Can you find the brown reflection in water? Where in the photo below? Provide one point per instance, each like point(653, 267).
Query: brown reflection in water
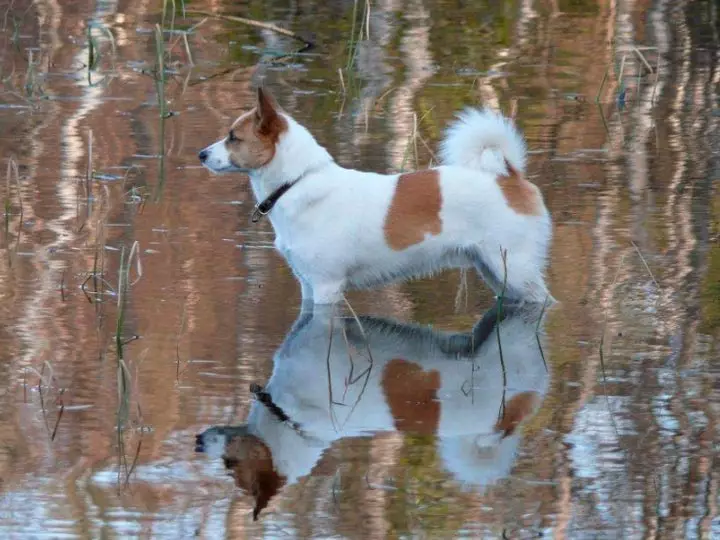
point(214, 302)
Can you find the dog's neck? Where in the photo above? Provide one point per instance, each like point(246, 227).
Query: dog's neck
point(296, 154)
point(294, 453)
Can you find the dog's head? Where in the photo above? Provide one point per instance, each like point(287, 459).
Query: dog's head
point(251, 141)
point(248, 459)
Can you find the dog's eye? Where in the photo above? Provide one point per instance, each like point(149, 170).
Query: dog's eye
point(232, 137)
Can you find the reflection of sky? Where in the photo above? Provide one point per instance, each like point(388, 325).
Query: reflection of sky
point(600, 465)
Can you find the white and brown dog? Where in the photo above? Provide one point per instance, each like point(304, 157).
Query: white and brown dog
point(341, 228)
point(400, 377)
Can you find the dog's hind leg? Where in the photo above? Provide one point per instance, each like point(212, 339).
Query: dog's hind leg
point(512, 277)
point(487, 273)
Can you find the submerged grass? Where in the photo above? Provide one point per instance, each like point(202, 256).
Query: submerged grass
point(32, 87)
point(162, 103)
point(124, 379)
point(93, 56)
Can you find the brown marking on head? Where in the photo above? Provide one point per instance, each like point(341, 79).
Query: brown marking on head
point(411, 394)
point(415, 209)
point(516, 410)
point(522, 196)
point(251, 464)
point(254, 136)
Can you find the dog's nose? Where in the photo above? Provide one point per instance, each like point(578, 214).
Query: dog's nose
point(203, 155)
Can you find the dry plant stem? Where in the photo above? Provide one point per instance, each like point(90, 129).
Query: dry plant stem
point(19, 190)
point(350, 378)
point(367, 20)
point(62, 285)
point(342, 81)
point(177, 343)
point(42, 398)
point(371, 361)
point(501, 299)
point(135, 460)
point(12, 174)
point(256, 24)
point(415, 138)
point(646, 265)
point(602, 355)
point(89, 174)
point(351, 44)
point(462, 290)
point(644, 60)
point(57, 422)
point(329, 370)
point(655, 82)
point(602, 84)
point(537, 332)
point(162, 104)
point(187, 50)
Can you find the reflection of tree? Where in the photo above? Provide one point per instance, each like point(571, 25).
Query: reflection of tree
point(414, 46)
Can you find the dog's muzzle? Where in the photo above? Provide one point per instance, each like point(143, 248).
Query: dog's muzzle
point(199, 443)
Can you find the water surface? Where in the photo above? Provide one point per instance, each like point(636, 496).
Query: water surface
point(618, 101)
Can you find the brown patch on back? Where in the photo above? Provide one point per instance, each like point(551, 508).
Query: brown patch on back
point(251, 465)
point(415, 209)
point(516, 410)
point(256, 134)
point(411, 394)
point(521, 195)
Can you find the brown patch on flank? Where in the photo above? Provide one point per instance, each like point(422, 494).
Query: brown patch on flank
point(411, 394)
point(522, 196)
point(516, 410)
point(255, 134)
point(251, 465)
point(415, 209)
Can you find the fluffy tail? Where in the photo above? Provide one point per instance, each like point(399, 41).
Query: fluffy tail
point(483, 139)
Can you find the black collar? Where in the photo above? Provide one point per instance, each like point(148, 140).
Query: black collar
point(263, 208)
point(266, 399)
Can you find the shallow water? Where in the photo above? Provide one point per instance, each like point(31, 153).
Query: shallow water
point(618, 101)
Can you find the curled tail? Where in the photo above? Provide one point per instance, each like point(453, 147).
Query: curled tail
point(485, 140)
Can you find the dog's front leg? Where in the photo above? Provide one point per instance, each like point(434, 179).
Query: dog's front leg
point(306, 291)
point(328, 292)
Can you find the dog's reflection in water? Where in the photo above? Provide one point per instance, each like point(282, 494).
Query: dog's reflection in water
point(335, 378)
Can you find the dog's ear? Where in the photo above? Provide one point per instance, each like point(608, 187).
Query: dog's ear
point(266, 486)
point(250, 462)
point(267, 119)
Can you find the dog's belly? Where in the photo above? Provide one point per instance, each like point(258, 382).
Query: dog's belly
point(418, 261)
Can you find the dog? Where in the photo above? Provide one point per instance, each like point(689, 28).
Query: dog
point(335, 378)
point(341, 229)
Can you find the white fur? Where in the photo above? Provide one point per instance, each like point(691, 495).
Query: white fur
point(219, 159)
point(329, 226)
point(483, 140)
point(469, 399)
